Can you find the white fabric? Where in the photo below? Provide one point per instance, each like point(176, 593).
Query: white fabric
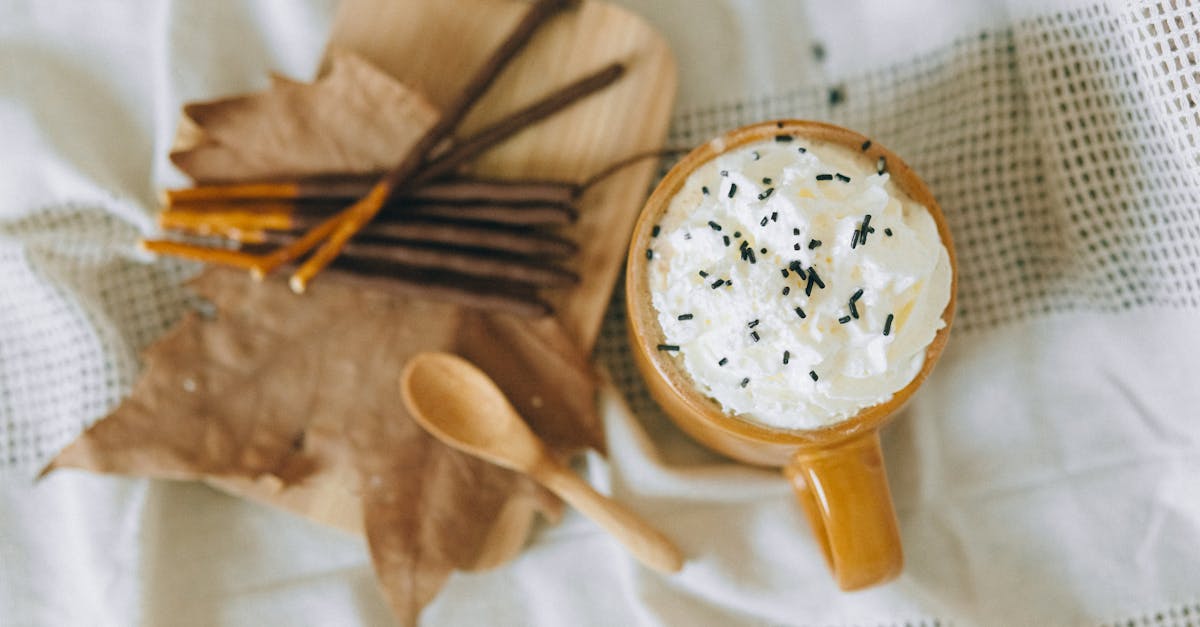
point(1048, 473)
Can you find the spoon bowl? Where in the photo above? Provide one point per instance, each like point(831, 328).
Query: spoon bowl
point(460, 405)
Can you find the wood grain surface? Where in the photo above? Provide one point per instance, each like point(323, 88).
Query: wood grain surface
point(434, 46)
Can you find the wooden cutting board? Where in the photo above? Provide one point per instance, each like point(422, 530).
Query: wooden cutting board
point(434, 46)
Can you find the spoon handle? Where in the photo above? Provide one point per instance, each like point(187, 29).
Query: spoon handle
point(646, 543)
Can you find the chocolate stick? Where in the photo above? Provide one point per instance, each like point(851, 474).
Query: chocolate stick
point(483, 191)
point(486, 237)
point(350, 221)
point(518, 299)
point(474, 263)
point(511, 124)
point(282, 216)
point(396, 263)
point(347, 189)
point(544, 215)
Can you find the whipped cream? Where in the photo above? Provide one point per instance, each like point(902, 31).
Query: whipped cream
point(731, 277)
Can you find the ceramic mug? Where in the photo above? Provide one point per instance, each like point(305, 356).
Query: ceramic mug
point(837, 471)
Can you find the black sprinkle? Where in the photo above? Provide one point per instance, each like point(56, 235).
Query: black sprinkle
point(784, 138)
point(836, 96)
point(668, 347)
point(724, 360)
point(724, 172)
point(842, 177)
point(786, 356)
point(779, 125)
point(783, 271)
point(866, 144)
point(856, 295)
point(786, 290)
point(703, 274)
point(726, 239)
point(737, 233)
point(714, 225)
point(743, 246)
point(732, 189)
point(655, 231)
point(754, 156)
point(887, 232)
point(854, 238)
point(718, 283)
point(887, 325)
point(853, 310)
point(774, 216)
point(881, 165)
point(687, 235)
point(813, 374)
point(762, 251)
point(808, 286)
point(795, 231)
point(824, 177)
point(865, 229)
point(844, 319)
point(802, 149)
point(745, 381)
point(767, 193)
point(766, 180)
point(800, 312)
point(704, 190)
point(649, 254)
point(729, 283)
point(763, 222)
point(812, 274)
point(813, 243)
point(754, 334)
point(753, 323)
point(796, 246)
point(685, 317)
point(818, 51)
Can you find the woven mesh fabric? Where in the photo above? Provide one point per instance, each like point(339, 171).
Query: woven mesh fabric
point(76, 306)
point(1062, 151)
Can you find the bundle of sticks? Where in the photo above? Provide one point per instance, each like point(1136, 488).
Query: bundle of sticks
point(417, 227)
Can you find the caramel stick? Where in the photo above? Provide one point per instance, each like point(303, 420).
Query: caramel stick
point(204, 218)
point(241, 236)
point(517, 241)
point(348, 189)
point(205, 254)
point(514, 298)
point(364, 210)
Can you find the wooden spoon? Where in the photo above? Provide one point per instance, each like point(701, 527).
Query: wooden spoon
point(460, 405)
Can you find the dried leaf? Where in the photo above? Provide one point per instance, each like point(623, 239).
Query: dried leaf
point(354, 119)
point(294, 387)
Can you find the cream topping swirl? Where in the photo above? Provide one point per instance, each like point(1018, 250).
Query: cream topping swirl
point(773, 299)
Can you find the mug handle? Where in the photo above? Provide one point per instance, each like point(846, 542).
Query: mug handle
point(844, 491)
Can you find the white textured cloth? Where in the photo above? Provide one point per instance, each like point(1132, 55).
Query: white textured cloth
point(1048, 472)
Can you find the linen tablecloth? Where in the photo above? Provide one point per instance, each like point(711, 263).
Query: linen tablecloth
point(1048, 472)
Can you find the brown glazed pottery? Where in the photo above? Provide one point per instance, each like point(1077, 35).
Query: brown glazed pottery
point(837, 471)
